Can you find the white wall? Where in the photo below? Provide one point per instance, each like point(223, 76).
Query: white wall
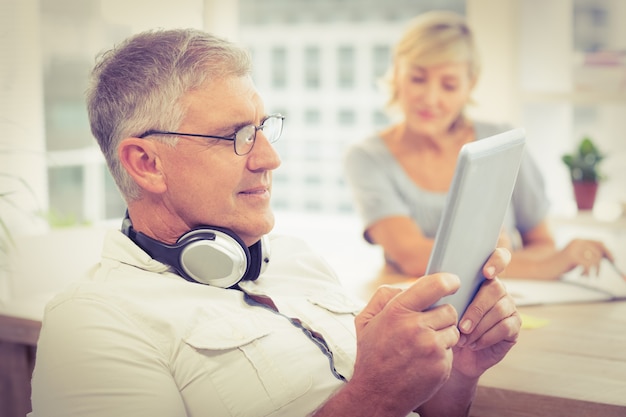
point(496, 27)
point(531, 79)
point(22, 142)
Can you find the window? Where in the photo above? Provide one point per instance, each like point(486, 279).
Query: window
point(381, 60)
point(312, 117)
point(307, 61)
point(346, 67)
point(81, 189)
point(379, 118)
point(333, 56)
point(66, 202)
point(279, 67)
point(346, 117)
point(312, 76)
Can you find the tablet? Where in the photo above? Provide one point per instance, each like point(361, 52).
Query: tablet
point(474, 212)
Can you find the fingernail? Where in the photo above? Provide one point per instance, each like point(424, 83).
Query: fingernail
point(491, 270)
point(466, 325)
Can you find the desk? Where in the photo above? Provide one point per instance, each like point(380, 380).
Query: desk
point(18, 340)
point(573, 366)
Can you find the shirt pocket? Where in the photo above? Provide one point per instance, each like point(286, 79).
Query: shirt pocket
point(336, 302)
point(245, 366)
point(337, 312)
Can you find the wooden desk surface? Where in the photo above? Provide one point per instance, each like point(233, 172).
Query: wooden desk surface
point(575, 365)
point(19, 330)
point(18, 340)
point(572, 366)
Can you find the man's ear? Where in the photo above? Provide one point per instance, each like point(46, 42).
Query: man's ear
point(140, 158)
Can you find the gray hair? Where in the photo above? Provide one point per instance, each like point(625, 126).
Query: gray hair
point(137, 86)
point(433, 38)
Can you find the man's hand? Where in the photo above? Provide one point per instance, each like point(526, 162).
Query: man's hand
point(404, 351)
point(491, 324)
point(489, 329)
point(412, 358)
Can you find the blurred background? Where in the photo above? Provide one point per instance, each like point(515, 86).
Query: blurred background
point(556, 68)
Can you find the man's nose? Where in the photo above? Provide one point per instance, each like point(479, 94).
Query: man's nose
point(263, 155)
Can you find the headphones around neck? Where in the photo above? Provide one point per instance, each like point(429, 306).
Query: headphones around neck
point(206, 254)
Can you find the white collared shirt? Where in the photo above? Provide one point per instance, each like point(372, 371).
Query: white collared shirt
point(135, 339)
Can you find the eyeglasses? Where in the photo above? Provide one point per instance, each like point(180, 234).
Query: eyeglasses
point(243, 139)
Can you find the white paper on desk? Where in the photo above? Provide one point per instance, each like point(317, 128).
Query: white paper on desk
point(573, 287)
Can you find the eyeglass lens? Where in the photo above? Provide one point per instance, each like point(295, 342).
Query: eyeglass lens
point(245, 137)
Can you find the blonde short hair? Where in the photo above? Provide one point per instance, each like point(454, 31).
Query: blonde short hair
point(433, 38)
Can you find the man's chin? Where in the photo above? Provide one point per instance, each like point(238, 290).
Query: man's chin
point(263, 224)
point(269, 220)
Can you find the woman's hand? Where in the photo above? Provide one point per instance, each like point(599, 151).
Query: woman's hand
point(585, 253)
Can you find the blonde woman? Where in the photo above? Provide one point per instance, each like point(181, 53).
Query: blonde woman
point(400, 176)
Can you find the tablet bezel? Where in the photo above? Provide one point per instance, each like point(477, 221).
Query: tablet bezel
point(474, 213)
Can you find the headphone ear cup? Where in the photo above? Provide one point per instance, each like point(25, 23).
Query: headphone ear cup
point(259, 258)
point(227, 257)
point(265, 253)
point(207, 254)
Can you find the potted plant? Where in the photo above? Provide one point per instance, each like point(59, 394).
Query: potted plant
point(583, 168)
point(9, 185)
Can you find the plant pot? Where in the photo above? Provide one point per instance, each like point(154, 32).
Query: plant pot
point(585, 194)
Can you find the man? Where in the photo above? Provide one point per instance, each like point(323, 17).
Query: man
point(195, 311)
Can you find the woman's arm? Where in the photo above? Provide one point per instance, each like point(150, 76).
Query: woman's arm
point(531, 261)
point(403, 243)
